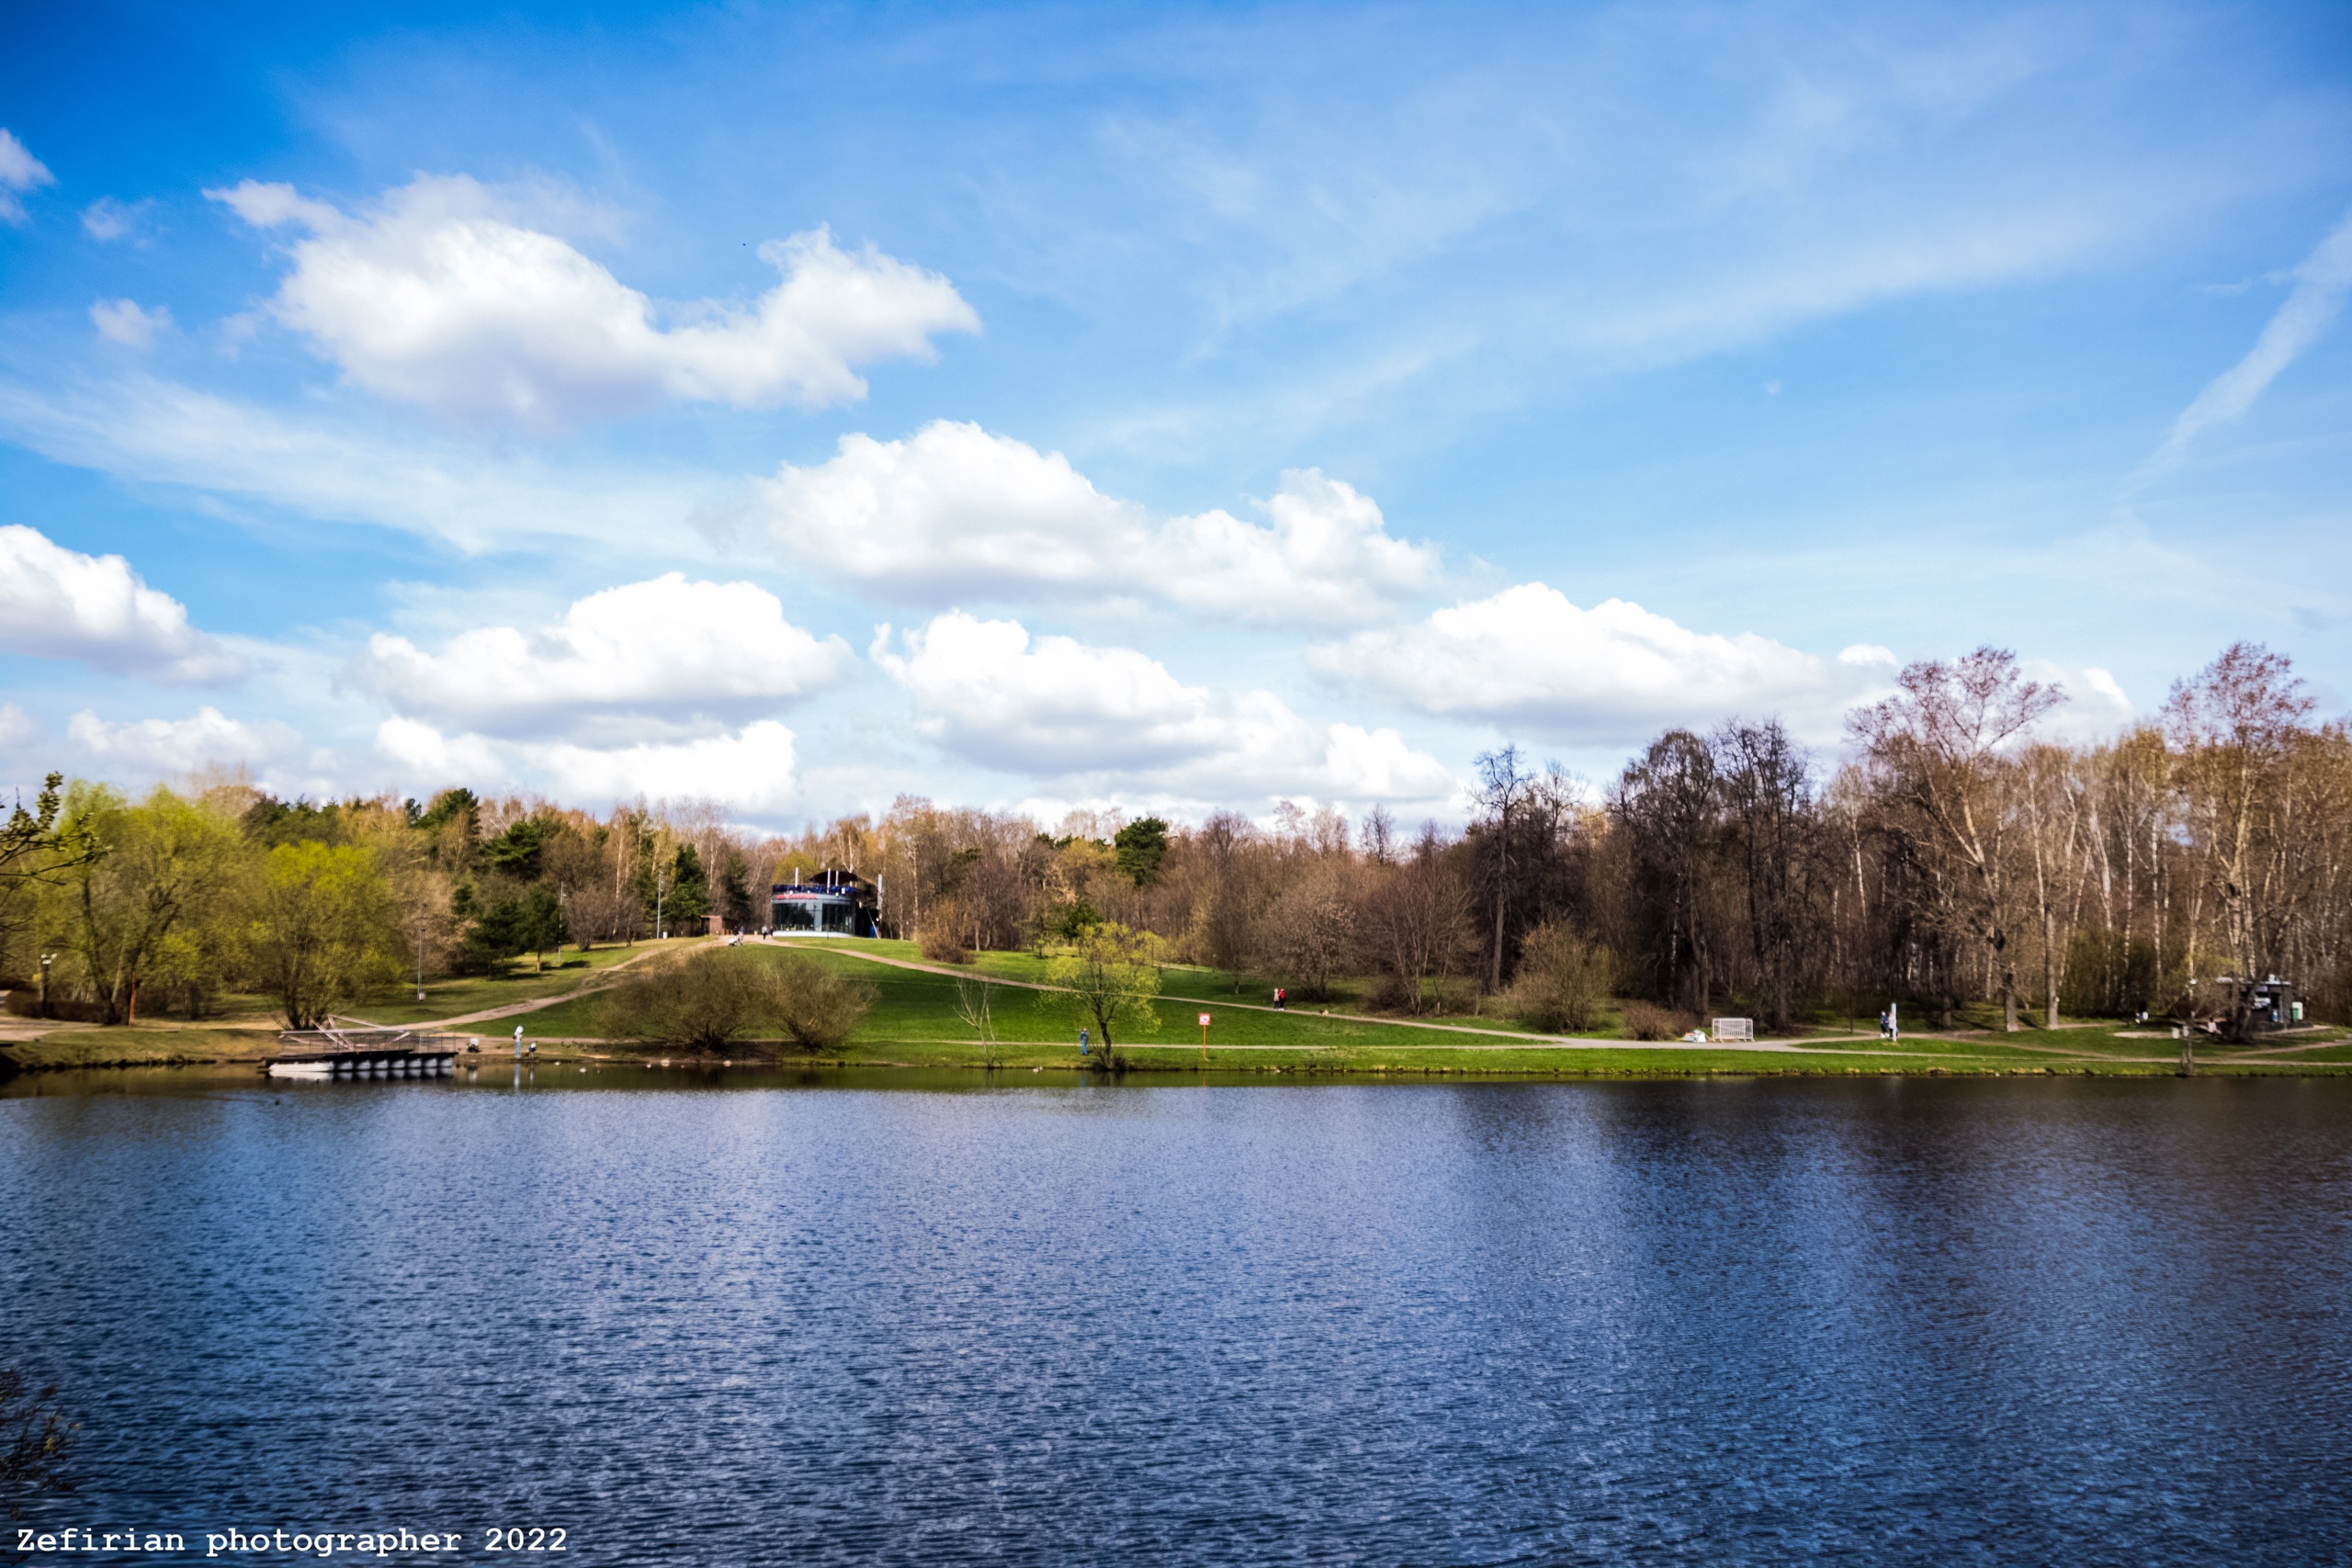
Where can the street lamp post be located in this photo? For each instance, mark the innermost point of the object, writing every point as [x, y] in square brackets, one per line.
[46, 960]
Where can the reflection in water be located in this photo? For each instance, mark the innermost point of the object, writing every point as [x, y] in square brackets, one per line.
[792, 1315]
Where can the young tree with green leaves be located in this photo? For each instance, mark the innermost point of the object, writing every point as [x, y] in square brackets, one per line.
[1107, 975]
[323, 929]
[33, 843]
[35, 851]
[137, 908]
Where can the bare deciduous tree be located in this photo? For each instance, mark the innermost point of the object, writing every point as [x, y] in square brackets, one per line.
[1939, 748]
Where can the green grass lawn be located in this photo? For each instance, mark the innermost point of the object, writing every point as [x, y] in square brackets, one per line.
[920, 1008]
[448, 996]
[914, 1023]
[462, 994]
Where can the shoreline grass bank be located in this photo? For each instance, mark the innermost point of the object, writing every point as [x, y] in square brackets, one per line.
[111, 1048]
[915, 1022]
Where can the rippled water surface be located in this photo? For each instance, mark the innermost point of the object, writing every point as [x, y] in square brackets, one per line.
[1775, 1321]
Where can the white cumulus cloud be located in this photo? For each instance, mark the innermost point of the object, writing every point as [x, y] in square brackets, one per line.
[434, 758]
[665, 650]
[1054, 707]
[19, 171]
[1324, 557]
[59, 603]
[441, 294]
[161, 747]
[17, 727]
[753, 769]
[122, 321]
[954, 514]
[1528, 657]
[2097, 705]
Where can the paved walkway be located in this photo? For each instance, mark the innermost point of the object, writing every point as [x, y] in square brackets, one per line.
[2269, 1051]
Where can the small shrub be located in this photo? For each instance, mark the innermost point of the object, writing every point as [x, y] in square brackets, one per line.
[818, 1008]
[941, 937]
[717, 997]
[1563, 980]
[704, 1002]
[1647, 1021]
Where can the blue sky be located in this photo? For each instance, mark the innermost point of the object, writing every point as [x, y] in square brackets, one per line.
[1215, 405]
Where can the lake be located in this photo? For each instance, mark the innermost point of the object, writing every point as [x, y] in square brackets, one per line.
[915, 1319]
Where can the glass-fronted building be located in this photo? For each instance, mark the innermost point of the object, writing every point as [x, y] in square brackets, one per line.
[841, 906]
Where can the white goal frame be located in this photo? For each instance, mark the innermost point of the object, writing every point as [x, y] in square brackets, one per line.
[1735, 1028]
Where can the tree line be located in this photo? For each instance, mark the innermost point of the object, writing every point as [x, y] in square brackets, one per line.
[114, 908]
[1954, 855]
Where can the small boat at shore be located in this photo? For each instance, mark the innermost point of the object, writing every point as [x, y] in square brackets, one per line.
[366, 1053]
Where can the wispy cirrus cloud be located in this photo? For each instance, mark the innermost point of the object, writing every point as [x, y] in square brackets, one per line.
[2311, 308]
[107, 218]
[127, 323]
[155, 430]
[19, 171]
